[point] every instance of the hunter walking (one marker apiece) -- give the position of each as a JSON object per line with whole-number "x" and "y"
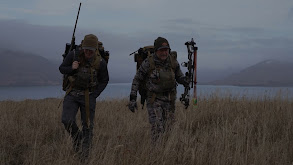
{"x": 161, "y": 71}
{"x": 87, "y": 76}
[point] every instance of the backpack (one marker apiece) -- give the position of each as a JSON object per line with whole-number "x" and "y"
{"x": 105, "y": 54}
{"x": 139, "y": 56}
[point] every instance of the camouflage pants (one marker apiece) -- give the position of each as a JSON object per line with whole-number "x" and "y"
{"x": 71, "y": 105}
{"x": 160, "y": 117}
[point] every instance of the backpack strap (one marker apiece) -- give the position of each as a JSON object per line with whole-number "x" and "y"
{"x": 97, "y": 62}
{"x": 173, "y": 58}
{"x": 149, "y": 52}
{"x": 96, "y": 66}
{"x": 152, "y": 64}
{"x": 151, "y": 69}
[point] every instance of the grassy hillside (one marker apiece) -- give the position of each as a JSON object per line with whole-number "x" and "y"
{"x": 26, "y": 69}
{"x": 219, "y": 131}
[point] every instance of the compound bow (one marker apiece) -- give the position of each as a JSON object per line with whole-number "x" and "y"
{"x": 191, "y": 74}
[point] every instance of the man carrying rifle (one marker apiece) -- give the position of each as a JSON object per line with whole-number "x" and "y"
{"x": 161, "y": 72}
{"x": 88, "y": 76}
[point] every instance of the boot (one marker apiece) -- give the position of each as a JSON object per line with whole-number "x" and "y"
{"x": 86, "y": 142}
{"x": 75, "y": 133}
{"x": 77, "y": 142}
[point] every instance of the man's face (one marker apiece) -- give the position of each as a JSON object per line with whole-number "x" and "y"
{"x": 88, "y": 53}
{"x": 163, "y": 54}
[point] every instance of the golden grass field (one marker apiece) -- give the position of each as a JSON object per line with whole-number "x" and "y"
{"x": 219, "y": 131}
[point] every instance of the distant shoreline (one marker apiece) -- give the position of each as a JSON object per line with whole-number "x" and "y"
{"x": 203, "y": 83}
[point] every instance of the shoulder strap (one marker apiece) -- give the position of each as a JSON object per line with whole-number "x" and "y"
{"x": 173, "y": 58}
{"x": 98, "y": 52}
{"x": 97, "y": 61}
{"x": 75, "y": 55}
{"x": 149, "y": 52}
{"x": 95, "y": 66}
{"x": 152, "y": 63}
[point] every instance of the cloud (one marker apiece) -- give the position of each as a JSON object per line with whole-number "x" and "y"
{"x": 19, "y": 10}
{"x": 42, "y": 7}
{"x": 219, "y": 48}
{"x": 121, "y": 5}
{"x": 4, "y": 16}
{"x": 290, "y": 14}
{"x": 55, "y": 7}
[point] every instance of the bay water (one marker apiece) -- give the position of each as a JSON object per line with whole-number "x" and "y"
{"x": 122, "y": 90}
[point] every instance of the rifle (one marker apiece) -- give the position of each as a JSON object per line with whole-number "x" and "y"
{"x": 70, "y": 46}
{"x": 134, "y": 52}
{"x": 191, "y": 74}
{"x": 139, "y": 51}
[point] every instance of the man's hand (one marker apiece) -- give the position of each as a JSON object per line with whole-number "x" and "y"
{"x": 75, "y": 65}
{"x": 186, "y": 81}
{"x": 132, "y": 103}
{"x": 132, "y": 106}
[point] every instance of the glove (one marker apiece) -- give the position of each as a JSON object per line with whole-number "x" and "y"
{"x": 186, "y": 82}
{"x": 132, "y": 103}
{"x": 132, "y": 106}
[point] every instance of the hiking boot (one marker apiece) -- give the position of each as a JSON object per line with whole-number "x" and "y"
{"x": 77, "y": 142}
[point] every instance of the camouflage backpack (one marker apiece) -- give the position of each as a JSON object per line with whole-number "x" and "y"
{"x": 139, "y": 56}
{"x": 105, "y": 54}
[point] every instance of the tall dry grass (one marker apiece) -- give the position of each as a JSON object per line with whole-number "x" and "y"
{"x": 219, "y": 131}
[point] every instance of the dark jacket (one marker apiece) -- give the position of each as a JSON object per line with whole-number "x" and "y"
{"x": 102, "y": 74}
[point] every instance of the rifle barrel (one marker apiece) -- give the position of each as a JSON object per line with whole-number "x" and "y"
{"x": 132, "y": 53}
{"x": 76, "y": 20}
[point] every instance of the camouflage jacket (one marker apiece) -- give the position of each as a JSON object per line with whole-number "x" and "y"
{"x": 145, "y": 74}
{"x": 102, "y": 76}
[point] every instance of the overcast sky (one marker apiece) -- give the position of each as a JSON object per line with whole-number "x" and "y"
{"x": 228, "y": 33}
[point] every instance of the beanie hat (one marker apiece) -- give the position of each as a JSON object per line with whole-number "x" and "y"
{"x": 161, "y": 43}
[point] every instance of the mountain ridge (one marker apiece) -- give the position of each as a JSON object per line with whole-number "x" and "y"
{"x": 265, "y": 73}
{"x": 27, "y": 69}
